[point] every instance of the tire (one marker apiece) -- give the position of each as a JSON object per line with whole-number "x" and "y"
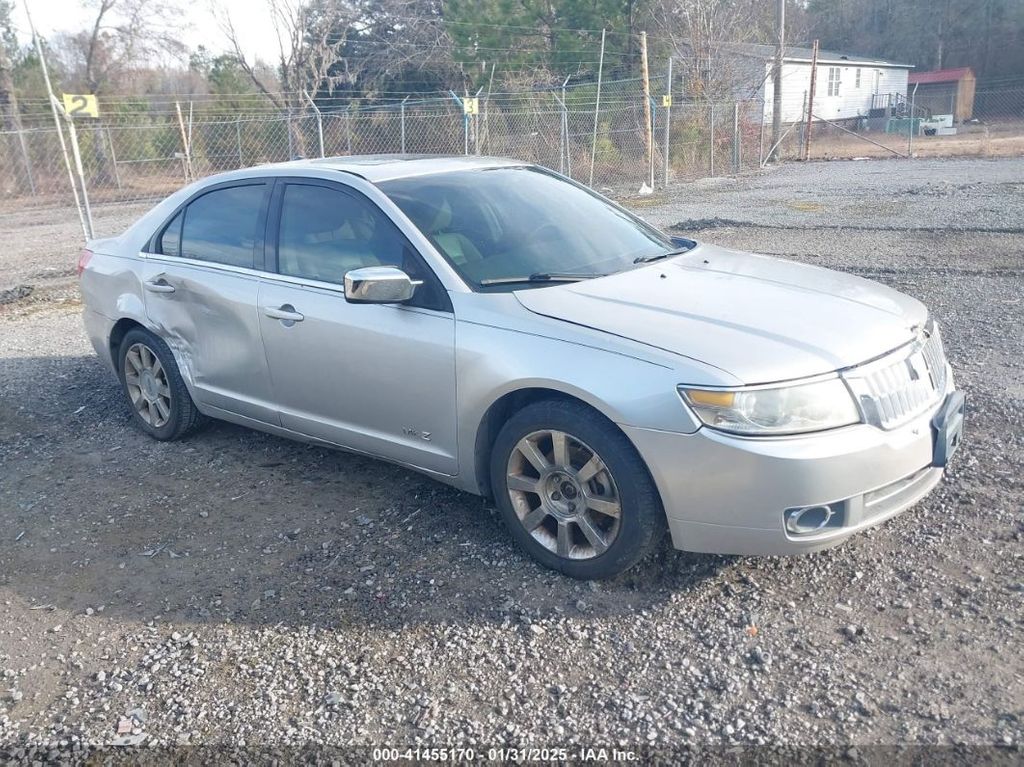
{"x": 598, "y": 544}
{"x": 159, "y": 401}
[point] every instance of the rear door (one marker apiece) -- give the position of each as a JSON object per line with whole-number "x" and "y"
{"x": 201, "y": 287}
{"x": 375, "y": 378}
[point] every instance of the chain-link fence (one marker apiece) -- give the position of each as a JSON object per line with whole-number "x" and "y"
{"x": 599, "y": 139}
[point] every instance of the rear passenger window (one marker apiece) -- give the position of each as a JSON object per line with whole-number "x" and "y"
{"x": 222, "y": 226}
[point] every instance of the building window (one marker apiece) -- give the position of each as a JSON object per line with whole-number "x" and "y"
{"x": 833, "y": 81}
{"x": 856, "y": 82}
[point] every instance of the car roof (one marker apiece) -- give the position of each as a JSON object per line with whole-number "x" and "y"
{"x": 384, "y": 167}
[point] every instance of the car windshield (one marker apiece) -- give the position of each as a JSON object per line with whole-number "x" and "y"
{"x": 518, "y": 227}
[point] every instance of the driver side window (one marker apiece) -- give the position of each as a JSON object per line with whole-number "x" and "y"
{"x": 325, "y": 233}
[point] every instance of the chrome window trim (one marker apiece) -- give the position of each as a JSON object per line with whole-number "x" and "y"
{"x": 257, "y": 274}
{"x": 258, "y": 247}
{"x": 160, "y": 258}
{"x": 339, "y": 291}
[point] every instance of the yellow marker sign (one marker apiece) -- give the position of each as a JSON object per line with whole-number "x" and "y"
{"x": 666, "y": 101}
{"x": 471, "y": 106}
{"x": 81, "y": 106}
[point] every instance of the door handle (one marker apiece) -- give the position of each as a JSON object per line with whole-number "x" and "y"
{"x": 160, "y": 285}
{"x": 284, "y": 313}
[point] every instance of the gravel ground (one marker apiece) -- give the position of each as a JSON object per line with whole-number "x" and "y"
{"x": 243, "y": 590}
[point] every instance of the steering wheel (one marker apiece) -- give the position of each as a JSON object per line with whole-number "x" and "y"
{"x": 548, "y": 227}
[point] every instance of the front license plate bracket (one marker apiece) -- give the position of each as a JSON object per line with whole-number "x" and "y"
{"x": 948, "y": 428}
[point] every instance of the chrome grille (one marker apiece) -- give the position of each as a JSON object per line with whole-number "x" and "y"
{"x": 902, "y": 386}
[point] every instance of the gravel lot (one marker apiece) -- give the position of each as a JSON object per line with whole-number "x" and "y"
{"x": 239, "y": 589}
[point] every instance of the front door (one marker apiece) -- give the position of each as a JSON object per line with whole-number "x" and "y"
{"x": 201, "y": 290}
{"x": 379, "y": 379}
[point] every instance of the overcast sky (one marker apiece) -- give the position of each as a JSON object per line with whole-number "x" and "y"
{"x": 250, "y": 17}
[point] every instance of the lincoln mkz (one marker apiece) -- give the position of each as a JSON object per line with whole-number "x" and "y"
{"x": 507, "y": 331}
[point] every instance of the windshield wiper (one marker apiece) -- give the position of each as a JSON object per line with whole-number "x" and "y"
{"x": 659, "y": 256}
{"x": 541, "y": 277}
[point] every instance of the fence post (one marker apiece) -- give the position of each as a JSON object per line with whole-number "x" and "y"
{"x": 403, "y": 123}
{"x": 712, "y": 139}
{"x": 348, "y": 127}
{"x": 288, "y": 130}
{"x": 113, "y": 159}
{"x": 804, "y": 106}
{"x": 184, "y": 143}
{"x": 476, "y": 121}
{"x": 760, "y": 140}
{"x": 668, "y": 114}
{"x": 27, "y": 161}
{"x": 736, "y": 137}
{"x": 910, "y": 125}
{"x": 563, "y": 139}
{"x": 810, "y": 102}
{"x": 319, "y": 121}
{"x": 238, "y": 138}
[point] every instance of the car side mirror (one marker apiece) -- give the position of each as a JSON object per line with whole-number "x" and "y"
{"x": 378, "y": 285}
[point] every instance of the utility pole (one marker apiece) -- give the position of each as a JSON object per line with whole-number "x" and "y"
{"x": 597, "y": 110}
{"x": 777, "y": 81}
{"x": 810, "y": 101}
{"x": 668, "y": 115}
{"x": 648, "y": 127}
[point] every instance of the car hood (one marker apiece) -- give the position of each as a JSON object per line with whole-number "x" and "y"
{"x": 761, "y": 319}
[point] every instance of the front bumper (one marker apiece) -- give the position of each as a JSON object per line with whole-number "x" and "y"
{"x": 729, "y": 495}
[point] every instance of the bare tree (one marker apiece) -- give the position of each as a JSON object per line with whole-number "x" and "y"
{"x": 124, "y": 37}
{"x": 311, "y": 38}
{"x": 704, "y": 35}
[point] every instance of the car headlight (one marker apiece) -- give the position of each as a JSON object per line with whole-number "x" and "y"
{"x": 774, "y": 410}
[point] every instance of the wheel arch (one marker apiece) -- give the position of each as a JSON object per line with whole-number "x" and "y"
{"x": 503, "y": 408}
{"x": 117, "y": 333}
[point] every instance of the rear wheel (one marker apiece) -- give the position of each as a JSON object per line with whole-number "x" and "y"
{"x": 160, "y": 402}
{"x": 573, "y": 491}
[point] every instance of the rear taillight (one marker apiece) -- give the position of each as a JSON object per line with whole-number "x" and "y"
{"x": 83, "y": 260}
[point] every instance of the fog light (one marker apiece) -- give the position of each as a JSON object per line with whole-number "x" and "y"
{"x": 809, "y": 519}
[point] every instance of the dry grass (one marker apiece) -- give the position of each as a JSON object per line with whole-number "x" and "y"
{"x": 998, "y": 140}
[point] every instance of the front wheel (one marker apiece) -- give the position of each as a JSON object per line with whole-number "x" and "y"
{"x": 573, "y": 491}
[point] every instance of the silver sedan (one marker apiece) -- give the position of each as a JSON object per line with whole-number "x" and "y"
{"x": 512, "y": 333}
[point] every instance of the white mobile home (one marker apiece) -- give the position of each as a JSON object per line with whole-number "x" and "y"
{"x": 847, "y": 87}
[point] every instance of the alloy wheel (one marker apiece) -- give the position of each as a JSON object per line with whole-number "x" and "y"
{"x": 148, "y": 388}
{"x": 564, "y": 494}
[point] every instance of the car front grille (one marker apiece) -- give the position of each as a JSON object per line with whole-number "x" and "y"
{"x": 903, "y": 385}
